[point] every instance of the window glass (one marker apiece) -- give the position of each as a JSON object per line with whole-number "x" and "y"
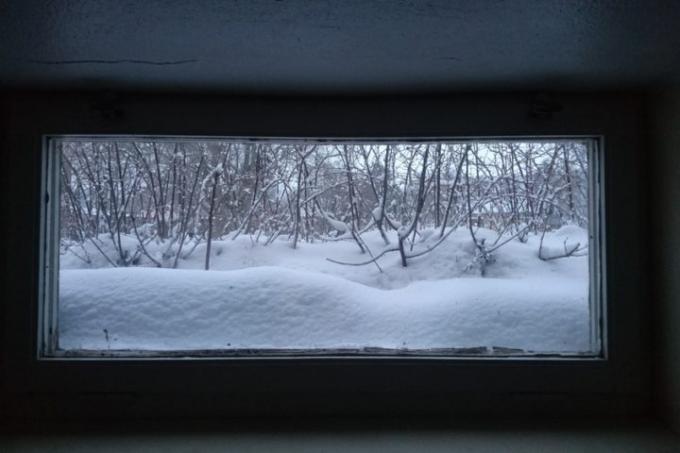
{"x": 472, "y": 247}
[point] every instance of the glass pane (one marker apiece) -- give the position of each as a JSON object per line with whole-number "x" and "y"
{"x": 468, "y": 247}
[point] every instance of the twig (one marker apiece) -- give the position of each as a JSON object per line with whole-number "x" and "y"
{"x": 380, "y": 255}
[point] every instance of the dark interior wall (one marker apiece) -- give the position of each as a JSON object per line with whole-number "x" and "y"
{"x": 665, "y": 198}
{"x": 339, "y": 47}
{"x": 4, "y": 231}
{"x": 620, "y": 385}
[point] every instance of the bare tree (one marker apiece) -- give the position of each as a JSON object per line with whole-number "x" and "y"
{"x": 155, "y": 202}
{"x": 216, "y": 172}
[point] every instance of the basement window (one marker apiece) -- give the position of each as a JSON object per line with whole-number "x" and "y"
{"x": 180, "y": 246}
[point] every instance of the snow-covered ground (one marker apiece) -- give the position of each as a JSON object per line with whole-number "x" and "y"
{"x": 273, "y": 296}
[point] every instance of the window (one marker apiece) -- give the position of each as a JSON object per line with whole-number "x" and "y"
{"x": 113, "y": 383}
{"x": 167, "y": 246}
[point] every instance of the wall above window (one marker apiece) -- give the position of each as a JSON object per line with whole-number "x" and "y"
{"x": 347, "y": 47}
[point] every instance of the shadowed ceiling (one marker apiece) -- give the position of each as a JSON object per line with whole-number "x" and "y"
{"x": 339, "y": 47}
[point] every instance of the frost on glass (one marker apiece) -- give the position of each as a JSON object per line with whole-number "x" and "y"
{"x": 469, "y": 247}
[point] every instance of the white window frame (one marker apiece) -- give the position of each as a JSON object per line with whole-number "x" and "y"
{"x": 49, "y": 260}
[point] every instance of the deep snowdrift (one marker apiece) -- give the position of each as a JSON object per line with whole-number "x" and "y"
{"x": 277, "y": 297}
{"x": 270, "y": 307}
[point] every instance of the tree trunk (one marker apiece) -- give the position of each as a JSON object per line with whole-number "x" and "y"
{"x": 216, "y": 176}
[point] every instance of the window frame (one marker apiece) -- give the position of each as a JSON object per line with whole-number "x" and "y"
{"x": 206, "y": 387}
{"x": 50, "y": 237}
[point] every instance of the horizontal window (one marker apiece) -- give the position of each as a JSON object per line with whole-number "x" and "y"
{"x": 160, "y": 246}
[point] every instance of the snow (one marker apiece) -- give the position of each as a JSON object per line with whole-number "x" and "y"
{"x": 377, "y": 213}
{"x": 338, "y": 225}
{"x": 272, "y": 296}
